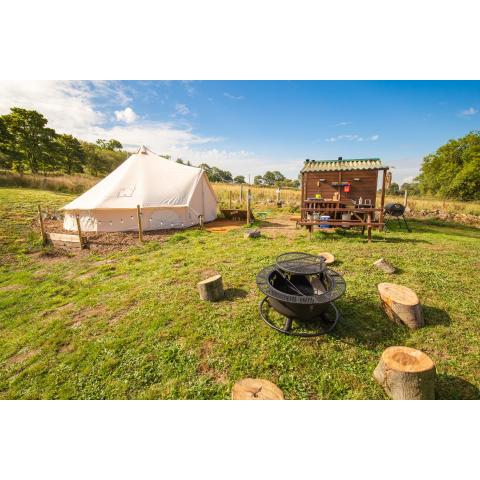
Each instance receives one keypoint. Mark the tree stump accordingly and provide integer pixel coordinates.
(211, 289)
(401, 304)
(406, 374)
(382, 264)
(256, 389)
(329, 258)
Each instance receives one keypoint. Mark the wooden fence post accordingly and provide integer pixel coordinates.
(42, 226)
(77, 219)
(248, 208)
(200, 221)
(139, 218)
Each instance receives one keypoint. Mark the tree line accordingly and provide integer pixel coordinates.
(452, 172)
(27, 144)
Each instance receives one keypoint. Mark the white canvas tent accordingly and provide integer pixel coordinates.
(171, 195)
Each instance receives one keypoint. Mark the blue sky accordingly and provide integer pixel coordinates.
(251, 126)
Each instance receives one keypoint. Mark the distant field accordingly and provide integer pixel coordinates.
(77, 184)
(128, 323)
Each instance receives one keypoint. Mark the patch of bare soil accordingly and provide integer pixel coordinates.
(53, 255)
(109, 241)
(85, 276)
(280, 226)
(222, 225)
(204, 368)
(66, 348)
(10, 288)
(87, 314)
(21, 357)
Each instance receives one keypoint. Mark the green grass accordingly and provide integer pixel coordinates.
(128, 324)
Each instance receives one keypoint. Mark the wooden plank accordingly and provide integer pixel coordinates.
(139, 220)
(65, 240)
(80, 238)
(382, 201)
(42, 226)
(63, 237)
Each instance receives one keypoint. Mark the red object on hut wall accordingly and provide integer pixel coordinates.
(346, 188)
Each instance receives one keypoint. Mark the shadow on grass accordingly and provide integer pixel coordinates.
(435, 316)
(233, 293)
(364, 324)
(449, 387)
(389, 239)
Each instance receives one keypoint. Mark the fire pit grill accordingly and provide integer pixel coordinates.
(304, 298)
(301, 263)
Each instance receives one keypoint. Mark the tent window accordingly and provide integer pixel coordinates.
(126, 192)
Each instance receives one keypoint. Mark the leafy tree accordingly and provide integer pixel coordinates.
(412, 188)
(453, 171)
(71, 154)
(239, 179)
(394, 189)
(111, 144)
(29, 137)
(6, 152)
(258, 180)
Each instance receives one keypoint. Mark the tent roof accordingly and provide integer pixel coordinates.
(144, 179)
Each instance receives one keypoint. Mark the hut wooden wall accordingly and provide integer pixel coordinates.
(365, 187)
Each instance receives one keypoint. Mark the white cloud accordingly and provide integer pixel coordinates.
(352, 138)
(343, 124)
(77, 108)
(127, 115)
(468, 112)
(233, 97)
(68, 106)
(181, 109)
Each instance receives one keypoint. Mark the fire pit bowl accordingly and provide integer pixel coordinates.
(304, 300)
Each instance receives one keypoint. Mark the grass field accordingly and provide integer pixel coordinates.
(128, 324)
(225, 192)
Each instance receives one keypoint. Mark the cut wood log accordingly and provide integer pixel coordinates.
(256, 389)
(401, 305)
(385, 266)
(329, 258)
(251, 234)
(211, 289)
(406, 374)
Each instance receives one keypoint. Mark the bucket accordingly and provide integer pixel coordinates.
(323, 218)
(346, 216)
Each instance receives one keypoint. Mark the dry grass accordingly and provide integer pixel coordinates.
(53, 182)
(261, 195)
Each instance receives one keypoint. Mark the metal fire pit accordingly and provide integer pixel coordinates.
(302, 290)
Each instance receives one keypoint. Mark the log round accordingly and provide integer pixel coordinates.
(211, 289)
(256, 389)
(329, 258)
(385, 266)
(406, 374)
(401, 304)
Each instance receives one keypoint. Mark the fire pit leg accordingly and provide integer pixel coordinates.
(288, 324)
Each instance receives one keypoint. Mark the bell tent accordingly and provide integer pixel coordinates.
(171, 195)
